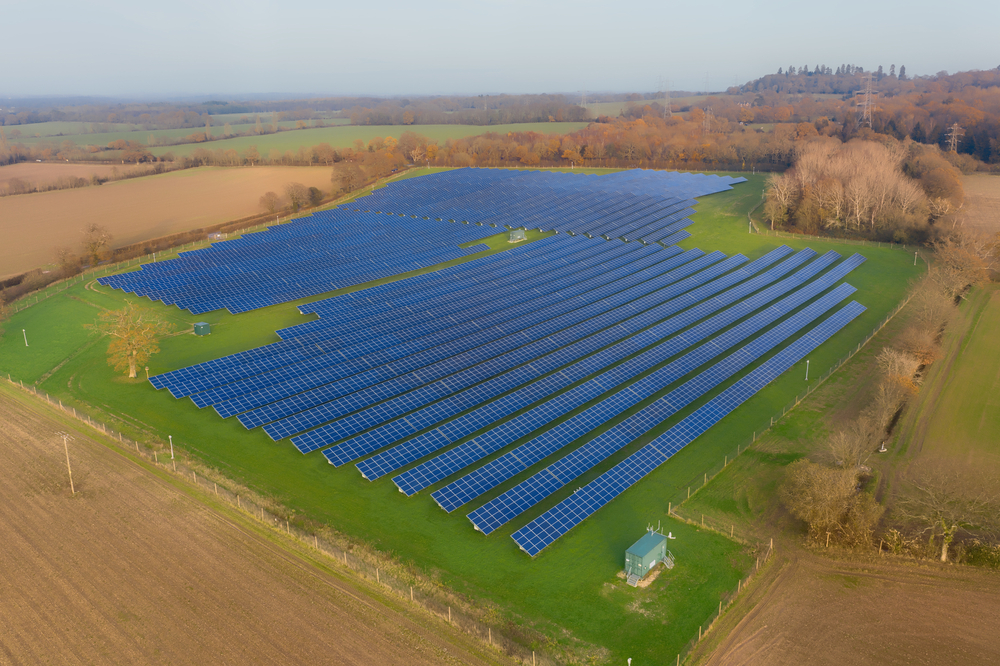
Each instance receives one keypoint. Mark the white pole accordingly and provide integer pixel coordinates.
(68, 468)
(26, 334)
(171, 446)
(807, 369)
(914, 258)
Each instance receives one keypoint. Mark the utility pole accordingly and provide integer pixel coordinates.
(954, 134)
(66, 437)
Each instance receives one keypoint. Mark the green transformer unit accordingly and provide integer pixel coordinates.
(644, 554)
(202, 328)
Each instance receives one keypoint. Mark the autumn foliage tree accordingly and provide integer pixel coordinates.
(134, 336)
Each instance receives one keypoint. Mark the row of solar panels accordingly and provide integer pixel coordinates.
(420, 413)
(308, 256)
(647, 205)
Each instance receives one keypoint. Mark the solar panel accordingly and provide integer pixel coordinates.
(570, 512)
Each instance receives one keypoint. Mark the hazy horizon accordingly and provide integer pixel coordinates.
(113, 49)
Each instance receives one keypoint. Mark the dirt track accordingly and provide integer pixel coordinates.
(133, 570)
(811, 610)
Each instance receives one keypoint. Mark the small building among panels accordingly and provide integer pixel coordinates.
(645, 554)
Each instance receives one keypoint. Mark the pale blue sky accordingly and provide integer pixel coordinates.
(392, 47)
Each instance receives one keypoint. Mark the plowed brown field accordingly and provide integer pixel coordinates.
(33, 225)
(811, 610)
(132, 569)
(981, 210)
(43, 173)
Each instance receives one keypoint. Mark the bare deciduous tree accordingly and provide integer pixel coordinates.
(298, 195)
(134, 336)
(270, 202)
(946, 500)
(96, 243)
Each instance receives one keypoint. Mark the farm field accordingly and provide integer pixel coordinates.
(345, 135)
(136, 133)
(137, 567)
(43, 173)
(811, 610)
(138, 209)
(956, 416)
(571, 585)
(981, 210)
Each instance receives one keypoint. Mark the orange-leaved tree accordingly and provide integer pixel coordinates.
(134, 336)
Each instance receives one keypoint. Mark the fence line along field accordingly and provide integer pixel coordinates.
(133, 569)
(138, 209)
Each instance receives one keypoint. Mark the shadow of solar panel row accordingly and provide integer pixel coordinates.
(553, 248)
(529, 492)
(438, 336)
(501, 354)
(632, 331)
(369, 334)
(570, 512)
(308, 256)
(660, 349)
(600, 205)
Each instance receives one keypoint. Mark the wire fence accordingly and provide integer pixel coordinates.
(505, 640)
(676, 508)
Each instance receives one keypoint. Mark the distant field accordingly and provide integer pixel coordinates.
(90, 133)
(344, 136)
(614, 108)
(137, 134)
(136, 210)
(47, 172)
(981, 210)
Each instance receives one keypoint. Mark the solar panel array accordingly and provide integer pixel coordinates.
(308, 256)
(650, 206)
(517, 372)
(544, 530)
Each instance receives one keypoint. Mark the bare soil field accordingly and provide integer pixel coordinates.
(811, 610)
(33, 225)
(981, 210)
(40, 174)
(135, 568)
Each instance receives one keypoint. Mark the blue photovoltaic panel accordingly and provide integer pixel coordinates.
(532, 490)
(490, 475)
(544, 530)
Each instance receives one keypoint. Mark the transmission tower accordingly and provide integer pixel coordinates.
(707, 122)
(665, 87)
(954, 134)
(867, 103)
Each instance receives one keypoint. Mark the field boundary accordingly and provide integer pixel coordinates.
(673, 506)
(384, 573)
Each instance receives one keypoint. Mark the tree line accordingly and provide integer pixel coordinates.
(886, 190)
(936, 510)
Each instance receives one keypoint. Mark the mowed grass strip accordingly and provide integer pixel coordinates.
(958, 415)
(33, 225)
(571, 584)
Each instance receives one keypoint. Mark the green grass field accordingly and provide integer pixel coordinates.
(957, 415)
(344, 136)
(572, 584)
